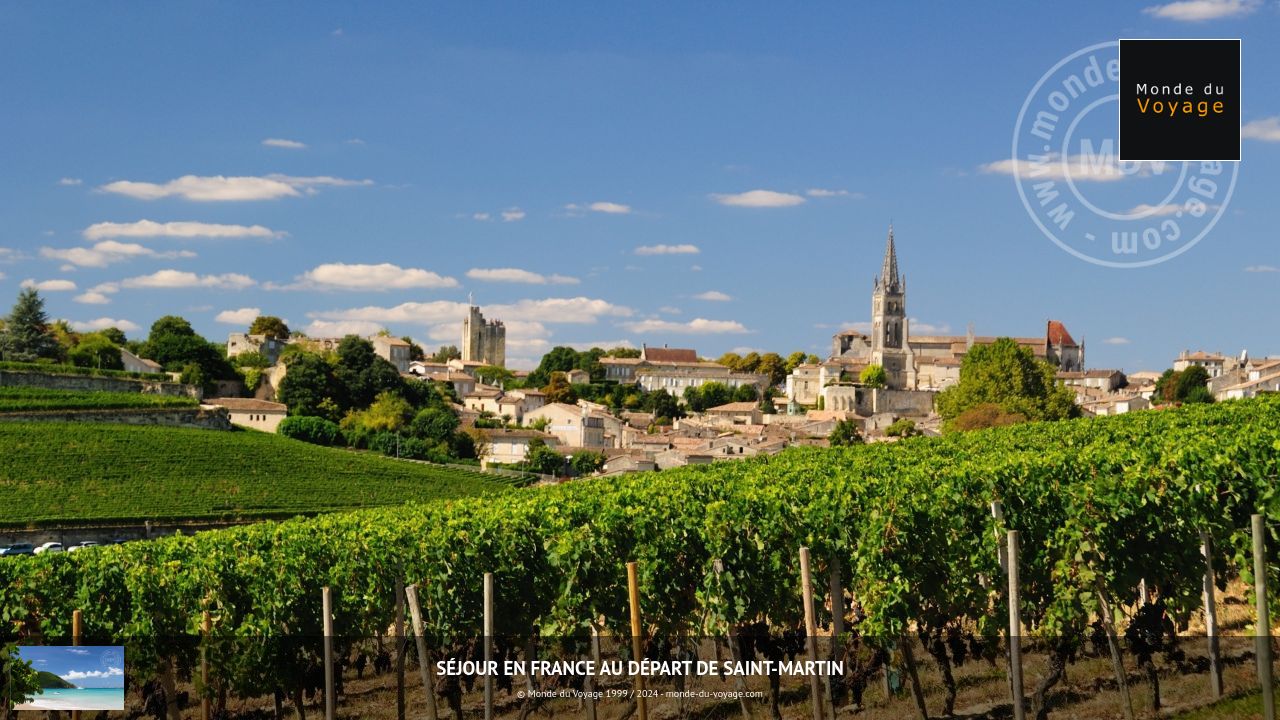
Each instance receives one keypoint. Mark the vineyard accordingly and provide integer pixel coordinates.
(1102, 506)
(25, 399)
(76, 370)
(65, 473)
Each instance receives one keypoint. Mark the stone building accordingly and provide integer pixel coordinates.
(483, 340)
(911, 362)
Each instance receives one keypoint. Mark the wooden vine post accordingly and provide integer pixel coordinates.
(1211, 616)
(330, 699)
(1015, 627)
(488, 645)
(811, 633)
(1263, 630)
(637, 641)
(77, 632)
(424, 658)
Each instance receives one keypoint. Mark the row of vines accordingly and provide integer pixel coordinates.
(1102, 505)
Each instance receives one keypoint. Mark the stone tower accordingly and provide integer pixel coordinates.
(889, 347)
(483, 340)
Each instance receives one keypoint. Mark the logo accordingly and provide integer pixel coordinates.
(1066, 166)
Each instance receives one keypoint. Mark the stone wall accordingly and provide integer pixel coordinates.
(105, 532)
(204, 417)
(89, 383)
(902, 402)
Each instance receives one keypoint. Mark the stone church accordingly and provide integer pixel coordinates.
(913, 362)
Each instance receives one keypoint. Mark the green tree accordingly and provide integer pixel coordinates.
(586, 462)
(774, 366)
(115, 335)
(902, 427)
(19, 681)
(845, 433)
(663, 405)
(542, 459)
(745, 393)
(311, 388)
(445, 354)
(766, 402)
(873, 376)
(269, 325)
(985, 415)
(1192, 386)
(558, 390)
(434, 423)
(709, 395)
(795, 360)
(558, 359)
(388, 413)
(175, 345)
(251, 359)
(27, 335)
(95, 350)
(1010, 377)
(493, 375)
(364, 374)
(416, 353)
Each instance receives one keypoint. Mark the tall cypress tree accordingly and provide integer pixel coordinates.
(26, 335)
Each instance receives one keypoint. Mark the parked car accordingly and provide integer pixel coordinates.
(50, 547)
(82, 545)
(18, 549)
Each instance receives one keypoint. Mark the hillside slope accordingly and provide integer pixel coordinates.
(56, 473)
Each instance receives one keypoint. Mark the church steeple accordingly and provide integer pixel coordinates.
(889, 279)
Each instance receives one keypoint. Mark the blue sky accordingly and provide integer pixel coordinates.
(86, 666)
(583, 171)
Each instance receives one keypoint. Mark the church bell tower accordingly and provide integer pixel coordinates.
(889, 348)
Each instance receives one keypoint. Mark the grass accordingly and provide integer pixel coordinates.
(1242, 707)
(25, 399)
(55, 369)
(83, 473)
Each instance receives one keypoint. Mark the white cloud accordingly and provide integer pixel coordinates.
(103, 323)
(713, 296)
(2, 276)
(1262, 269)
(150, 228)
(341, 328)
(610, 207)
(575, 310)
(512, 214)
(107, 252)
(179, 279)
(110, 672)
(1267, 129)
(283, 143)
(92, 297)
(516, 275)
(758, 199)
(219, 188)
(825, 193)
(1080, 168)
(603, 344)
(309, 182)
(916, 327)
(78, 651)
(243, 316)
(49, 285)
(1197, 10)
(70, 181)
(697, 326)
(354, 141)
(384, 276)
(667, 250)
(670, 310)
(1116, 341)
(481, 216)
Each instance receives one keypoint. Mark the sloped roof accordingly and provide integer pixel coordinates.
(1058, 334)
(664, 354)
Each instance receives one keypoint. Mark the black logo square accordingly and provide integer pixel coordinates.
(1179, 100)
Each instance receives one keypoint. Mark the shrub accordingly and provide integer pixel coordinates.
(902, 428)
(315, 430)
